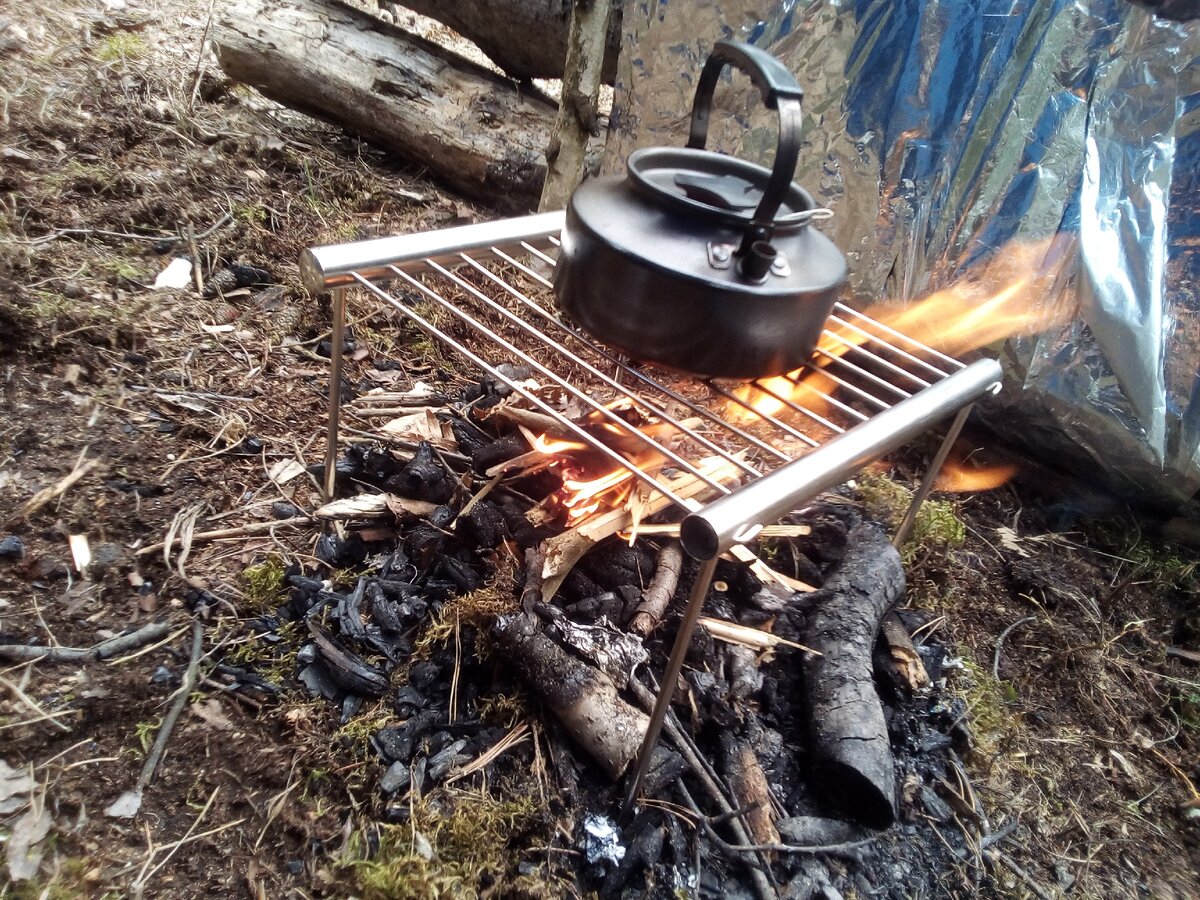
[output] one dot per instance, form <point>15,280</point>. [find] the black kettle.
<point>699,261</point>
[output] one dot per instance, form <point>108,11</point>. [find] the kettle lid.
<point>714,186</point>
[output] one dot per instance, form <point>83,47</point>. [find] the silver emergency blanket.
<point>950,135</point>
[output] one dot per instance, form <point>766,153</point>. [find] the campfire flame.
<point>1010,295</point>
<point>960,479</point>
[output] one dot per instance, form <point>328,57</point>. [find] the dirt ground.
<point>117,135</point>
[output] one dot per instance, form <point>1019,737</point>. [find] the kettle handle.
<point>781,93</point>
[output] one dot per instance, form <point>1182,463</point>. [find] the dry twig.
<point>103,650</point>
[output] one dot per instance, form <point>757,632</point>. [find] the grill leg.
<point>667,691</point>
<point>335,389</point>
<point>910,517</point>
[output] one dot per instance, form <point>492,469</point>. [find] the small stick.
<point>661,589</point>
<point>238,531</point>
<point>103,650</point>
<point>45,495</point>
<point>43,716</point>
<point>168,725</point>
<point>995,856</point>
<point>535,560</point>
<point>1000,643</point>
<point>744,636</point>
<point>193,249</point>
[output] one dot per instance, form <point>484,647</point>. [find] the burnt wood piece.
<point>474,129</point>
<point>748,784</point>
<point>583,698</point>
<point>852,755</point>
<point>658,594</point>
<point>349,670</point>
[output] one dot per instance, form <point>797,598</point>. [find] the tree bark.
<point>578,118</point>
<point>525,38</point>
<point>469,126</point>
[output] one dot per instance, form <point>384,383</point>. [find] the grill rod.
<point>739,516</point>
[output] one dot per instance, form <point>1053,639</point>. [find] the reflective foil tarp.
<point>947,134</point>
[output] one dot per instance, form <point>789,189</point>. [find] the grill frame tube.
<point>740,515</point>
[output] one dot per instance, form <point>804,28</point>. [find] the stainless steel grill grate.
<point>492,304</point>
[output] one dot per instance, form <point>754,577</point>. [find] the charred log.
<point>472,128</point>
<point>526,40</point>
<point>852,756</point>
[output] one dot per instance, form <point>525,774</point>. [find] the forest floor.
<point>117,135</point>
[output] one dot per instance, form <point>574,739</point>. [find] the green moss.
<point>990,715</point>
<point>119,47</point>
<point>262,584</point>
<point>451,843</point>
<point>936,528</point>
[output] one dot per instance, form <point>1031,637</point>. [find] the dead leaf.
<point>14,782</point>
<point>24,854</point>
<point>212,713</point>
<point>363,506</point>
<point>423,425</point>
<point>285,470</point>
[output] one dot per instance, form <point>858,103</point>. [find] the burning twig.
<point>566,549</point>
<point>658,594</point>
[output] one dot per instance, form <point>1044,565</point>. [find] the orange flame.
<point>543,444</point>
<point>958,478</point>
<point>974,313</point>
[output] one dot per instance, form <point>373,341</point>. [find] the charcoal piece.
<point>349,613</point>
<point>458,573</point>
<point>408,702</point>
<point>443,516</point>
<point>424,544</point>
<point>500,450</point>
<point>307,654</point>
<point>678,843</point>
<point>469,437</point>
<point>578,586</point>
<point>484,525</point>
<point>125,486</point>
<point>631,596</point>
<point>424,674</point>
<point>326,549</point>
<point>233,277</point>
<point>319,681</point>
<point>162,675</point>
<point>351,704</point>
<point>418,775</point>
<point>397,743</point>
<point>641,853</point>
<point>347,668</point>
<point>618,564</point>
<point>282,510</point>
<point>247,446</point>
<point>371,464</point>
<point>385,612</point>
<point>12,547</point>
<point>424,478</point>
<point>665,768</point>
<point>491,390</point>
<point>440,762</point>
<point>397,813</point>
<point>396,778</point>
<point>396,566</point>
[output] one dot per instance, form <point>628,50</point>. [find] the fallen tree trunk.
<point>852,755</point>
<point>525,38</point>
<point>469,126</point>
